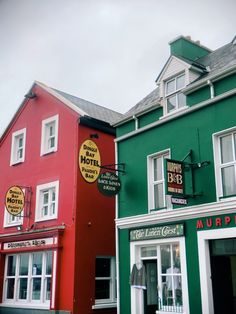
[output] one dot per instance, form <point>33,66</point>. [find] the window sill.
<point>104,306</point>
<point>45,219</point>
<point>46,153</point>
<point>16,162</point>
<point>222,198</point>
<point>174,112</point>
<point>25,305</point>
<point>167,312</point>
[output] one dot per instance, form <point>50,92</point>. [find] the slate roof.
<point>91,109</point>
<point>220,59</point>
<point>212,64</point>
<point>151,100</point>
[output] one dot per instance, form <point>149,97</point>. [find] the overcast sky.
<point>105,51</point>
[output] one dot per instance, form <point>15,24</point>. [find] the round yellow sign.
<point>89,161</point>
<point>14,200</point>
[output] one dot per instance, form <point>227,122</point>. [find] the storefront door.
<point>151,293</point>
<point>223,271</point>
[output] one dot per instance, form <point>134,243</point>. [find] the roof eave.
<point>136,115</point>
<point>214,77</point>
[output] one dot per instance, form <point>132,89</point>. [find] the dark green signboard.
<point>175,177</point>
<point>108,183</point>
<point>161,232</point>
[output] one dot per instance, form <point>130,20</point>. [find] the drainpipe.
<point>212,91</point>
<point>136,122</point>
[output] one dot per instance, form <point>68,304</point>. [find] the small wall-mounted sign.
<point>175,177</point>
<point>14,200</point>
<point>89,161</point>
<point>179,201</point>
<point>109,184</point>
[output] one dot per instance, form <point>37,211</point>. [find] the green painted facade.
<point>190,131</point>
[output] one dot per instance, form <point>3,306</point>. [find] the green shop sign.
<point>162,232</point>
<point>109,184</point>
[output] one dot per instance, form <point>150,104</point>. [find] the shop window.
<point>171,279</point>
<point>156,177</point>
<point>175,99</point>
<point>105,281</point>
<point>18,147</point>
<point>225,163</point>
<point>166,277</point>
<point>47,201</point>
<point>27,279</point>
<point>49,137</point>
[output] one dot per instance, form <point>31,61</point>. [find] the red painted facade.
<point>84,227</point>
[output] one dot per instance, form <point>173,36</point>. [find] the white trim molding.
<point>191,212</point>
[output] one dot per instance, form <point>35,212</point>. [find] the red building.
<point>57,235</point>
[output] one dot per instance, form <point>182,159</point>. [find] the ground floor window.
<point>27,278</point>
<point>105,280</point>
<point>166,280</point>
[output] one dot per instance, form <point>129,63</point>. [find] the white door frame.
<point>204,264</point>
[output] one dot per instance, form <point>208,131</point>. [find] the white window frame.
<point>39,201</point>
<point>28,302</point>
<point>15,159</point>
<point>45,136</point>
<point>217,161</point>
<point>151,182</point>
<point>137,305</point>
<point>175,93</point>
<point>111,301</point>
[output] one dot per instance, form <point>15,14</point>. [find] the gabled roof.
<point>213,64</point>
<point>90,109</point>
<point>82,107</point>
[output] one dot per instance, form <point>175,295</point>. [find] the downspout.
<point>212,91</point>
<point>117,241</point>
<point>136,122</point>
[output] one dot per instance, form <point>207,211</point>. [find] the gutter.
<point>214,77</point>
<point>181,113</point>
<point>140,113</point>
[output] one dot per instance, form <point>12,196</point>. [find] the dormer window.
<point>174,98</point>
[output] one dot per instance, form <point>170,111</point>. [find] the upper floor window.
<point>10,220</point>
<point>105,281</point>
<point>225,155</point>
<point>47,201</point>
<point>174,98</point>
<point>28,279</point>
<point>49,136</point>
<point>18,146</point>
<point>156,177</point>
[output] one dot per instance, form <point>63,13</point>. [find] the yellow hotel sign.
<point>89,161</point>
<point>14,200</point>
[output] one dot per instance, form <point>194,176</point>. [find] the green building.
<point>176,211</point>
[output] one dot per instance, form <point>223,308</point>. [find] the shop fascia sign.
<point>28,244</point>
<point>160,232</point>
<point>14,200</point>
